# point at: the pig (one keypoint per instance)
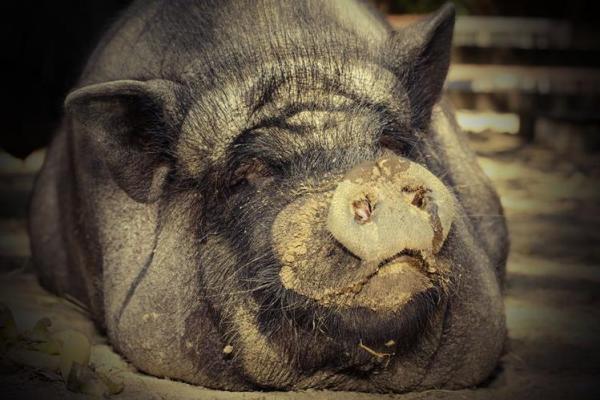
(275, 195)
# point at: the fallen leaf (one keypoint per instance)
(8, 327)
(114, 386)
(75, 348)
(40, 331)
(83, 379)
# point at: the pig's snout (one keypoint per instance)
(384, 207)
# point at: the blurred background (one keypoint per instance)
(525, 82)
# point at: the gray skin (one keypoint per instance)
(185, 201)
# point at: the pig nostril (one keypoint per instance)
(363, 209)
(420, 197)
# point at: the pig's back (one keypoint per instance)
(183, 39)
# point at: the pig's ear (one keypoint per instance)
(421, 56)
(131, 125)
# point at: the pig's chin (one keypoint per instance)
(391, 301)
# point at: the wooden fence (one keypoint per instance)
(547, 72)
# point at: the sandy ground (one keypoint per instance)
(552, 294)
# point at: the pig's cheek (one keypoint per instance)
(298, 234)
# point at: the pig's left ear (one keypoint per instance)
(131, 124)
(420, 56)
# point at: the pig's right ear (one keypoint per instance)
(131, 125)
(420, 55)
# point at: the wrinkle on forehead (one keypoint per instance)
(234, 105)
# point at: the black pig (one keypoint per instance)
(271, 194)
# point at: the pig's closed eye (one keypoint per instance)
(400, 145)
(253, 171)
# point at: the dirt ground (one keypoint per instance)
(552, 293)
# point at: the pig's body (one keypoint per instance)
(140, 211)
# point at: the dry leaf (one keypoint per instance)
(40, 332)
(82, 379)
(114, 387)
(8, 327)
(75, 348)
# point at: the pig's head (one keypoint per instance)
(326, 231)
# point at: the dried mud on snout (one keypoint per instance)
(343, 249)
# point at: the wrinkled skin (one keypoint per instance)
(279, 179)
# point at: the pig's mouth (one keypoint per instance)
(387, 310)
(388, 286)
(392, 300)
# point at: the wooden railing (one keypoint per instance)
(547, 72)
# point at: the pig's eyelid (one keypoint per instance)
(251, 169)
(399, 144)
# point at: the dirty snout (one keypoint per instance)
(369, 248)
(383, 208)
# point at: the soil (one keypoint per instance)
(552, 294)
